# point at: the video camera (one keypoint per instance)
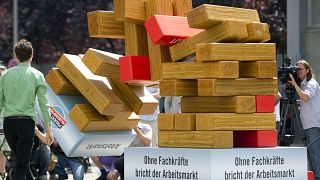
(284, 78)
(285, 70)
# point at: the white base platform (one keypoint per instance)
(281, 163)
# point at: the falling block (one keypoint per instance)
(206, 16)
(88, 119)
(60, 84)
(136, 98)
(310, 175)
(264, 103)
(102, 63)
(168, 30)
(102, 24)
(227, 31)
(196, 139)
(95, 89)
(259, 138)
(134, 69)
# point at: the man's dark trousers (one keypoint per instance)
(19, 132)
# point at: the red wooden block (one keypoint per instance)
(264, 103)
(134, 69)
(255, 138)
(168, 30)
(310, 175)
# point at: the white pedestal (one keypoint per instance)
(281, 163)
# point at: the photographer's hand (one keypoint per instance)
(293, 81)
(303, 96)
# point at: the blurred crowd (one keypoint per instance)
(56, 27)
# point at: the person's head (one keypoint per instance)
(23, 50)
(305, 70)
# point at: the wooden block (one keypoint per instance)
(178, 87)
(257, 139)
(102, 63)
(134, 11)
(233, 121)
(257, 69)
(60, 84)
(136, 43)
(310, 175)
(94, 88)
(158, 7)
(198, 70)
(168, 30)
(165, 121)
(257, 32)
(181, 7)
(228, 31)
(158, 54)
(118, 10)
(206, 16)
(196, 139)
(185, 121)
(265, 103)
(102, 24)
(134, 69)
(232, 104)
(236, 51)
(87, 119)
(237, 87)
(136, 98)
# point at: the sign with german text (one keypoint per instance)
(283, 163)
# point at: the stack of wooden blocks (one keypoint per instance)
(227, 89)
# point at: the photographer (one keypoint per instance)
(309, 93)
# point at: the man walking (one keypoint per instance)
(19, 87)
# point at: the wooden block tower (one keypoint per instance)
(215, 57)
(228, 87)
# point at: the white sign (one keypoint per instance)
(259, 163)
(286, 163)
(76, 143)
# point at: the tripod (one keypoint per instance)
(290, 105)
(286, 138)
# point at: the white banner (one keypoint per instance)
(285, 163)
